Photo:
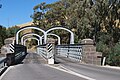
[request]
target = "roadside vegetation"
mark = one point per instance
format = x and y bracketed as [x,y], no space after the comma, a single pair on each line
[7,33]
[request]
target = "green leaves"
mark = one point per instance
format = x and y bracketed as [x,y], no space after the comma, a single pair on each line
[114,56]
[11,31]
[3,35]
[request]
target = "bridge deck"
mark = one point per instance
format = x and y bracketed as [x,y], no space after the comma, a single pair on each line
[33,68]
[34,58]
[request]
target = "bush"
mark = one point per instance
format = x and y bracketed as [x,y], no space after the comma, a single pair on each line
[101,47]
[114,56]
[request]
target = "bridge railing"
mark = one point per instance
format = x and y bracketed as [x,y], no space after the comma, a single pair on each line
[73,52]
[83,52]
[19,52]
[2,63]
[42,51]
[47,52]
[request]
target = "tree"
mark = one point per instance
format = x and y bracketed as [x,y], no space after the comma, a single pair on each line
[3,35]
[39,14]
[114,56]
[11,31]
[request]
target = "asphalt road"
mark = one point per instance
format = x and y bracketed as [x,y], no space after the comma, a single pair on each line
[33,68]
[94,72]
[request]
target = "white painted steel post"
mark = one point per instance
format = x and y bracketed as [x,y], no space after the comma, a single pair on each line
[103,63]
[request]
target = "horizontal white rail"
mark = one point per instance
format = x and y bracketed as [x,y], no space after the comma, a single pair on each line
[46,51]
[73,52]
[42,52]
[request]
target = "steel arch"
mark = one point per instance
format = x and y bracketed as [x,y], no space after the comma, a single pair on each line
[55,36]
[55,28]
[27,34]
[29,27]
[31,38]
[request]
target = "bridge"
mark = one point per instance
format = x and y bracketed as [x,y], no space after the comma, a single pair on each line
[50,61]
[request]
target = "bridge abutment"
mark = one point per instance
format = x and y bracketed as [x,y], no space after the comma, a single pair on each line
[89,53]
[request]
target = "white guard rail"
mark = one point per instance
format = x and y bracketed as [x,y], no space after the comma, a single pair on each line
[73,51]
[46,51]
[42,51]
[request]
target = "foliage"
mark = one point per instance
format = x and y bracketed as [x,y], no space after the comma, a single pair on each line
[7,33]
[101,47]
[3,35]
[11,31]
[114,56]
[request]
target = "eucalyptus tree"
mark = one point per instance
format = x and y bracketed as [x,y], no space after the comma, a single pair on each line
[11,31]
[107,17]
[50,15]
[3,35]
[80,17]
[38,15]
[107,28]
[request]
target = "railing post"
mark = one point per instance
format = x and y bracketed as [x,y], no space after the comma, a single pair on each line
[68,52]
[51,51]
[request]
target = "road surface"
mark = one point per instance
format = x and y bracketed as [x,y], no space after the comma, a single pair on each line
[33,68]
[94,72]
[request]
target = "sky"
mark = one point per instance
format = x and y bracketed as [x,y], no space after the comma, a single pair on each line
[15,12]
